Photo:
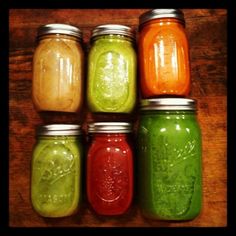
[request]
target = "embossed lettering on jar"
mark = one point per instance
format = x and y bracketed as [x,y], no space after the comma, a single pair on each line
[58,69]
[112,70]
[56,170]
[169,155]
[163,54]
[109,168]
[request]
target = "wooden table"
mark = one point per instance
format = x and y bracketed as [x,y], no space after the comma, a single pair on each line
[206,31]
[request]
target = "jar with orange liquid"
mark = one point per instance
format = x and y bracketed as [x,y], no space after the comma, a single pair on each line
[163,54]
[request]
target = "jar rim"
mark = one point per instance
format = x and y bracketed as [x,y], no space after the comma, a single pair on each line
[59,130]
[161,13]
[113,29]
[109,127]
[57,28]
[168,104]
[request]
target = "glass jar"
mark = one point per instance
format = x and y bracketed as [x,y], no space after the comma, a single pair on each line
[163,54]
[109,168]
[56,170]
[58,69]
[112,70]
[169,156]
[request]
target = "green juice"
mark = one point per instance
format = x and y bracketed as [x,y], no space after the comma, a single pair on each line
[112,75]
[56,173]
[169,155]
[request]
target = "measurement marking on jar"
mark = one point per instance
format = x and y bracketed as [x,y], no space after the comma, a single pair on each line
[55,198]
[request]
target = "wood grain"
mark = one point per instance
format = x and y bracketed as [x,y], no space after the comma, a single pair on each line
[206,29]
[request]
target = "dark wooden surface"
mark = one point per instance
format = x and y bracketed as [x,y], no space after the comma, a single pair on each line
[206,29]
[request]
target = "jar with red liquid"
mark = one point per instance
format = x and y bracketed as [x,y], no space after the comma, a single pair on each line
[110,168]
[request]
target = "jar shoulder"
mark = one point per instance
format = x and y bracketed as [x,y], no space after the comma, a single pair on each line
[54,46]
[53,149]
[102,46]
[110,145]
[165,33]
[165,123]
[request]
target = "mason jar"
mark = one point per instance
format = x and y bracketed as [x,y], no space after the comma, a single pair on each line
[58,68]
[169,156]
[110,168]
[163,54]
[112,70]
[56,170]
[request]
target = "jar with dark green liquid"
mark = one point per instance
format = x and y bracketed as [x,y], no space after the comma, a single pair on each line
[169,156]
[56,170]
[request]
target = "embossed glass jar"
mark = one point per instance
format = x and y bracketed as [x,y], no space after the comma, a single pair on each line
[58,69]
[169,156]
[56,170]
[163,53]
[112,70]
[110,168]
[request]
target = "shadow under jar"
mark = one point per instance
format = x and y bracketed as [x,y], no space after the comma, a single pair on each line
[169,159]
[109,168]
[163,54]
[58,69]
[56,170]
[112,66]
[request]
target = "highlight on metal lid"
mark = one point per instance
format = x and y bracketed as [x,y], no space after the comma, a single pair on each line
[59,129]
[116,29]
[168,104]
[161,13]
[110,127]
[60,29]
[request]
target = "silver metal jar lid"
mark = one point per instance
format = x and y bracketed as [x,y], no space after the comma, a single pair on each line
[168,104]
[60,29]
[161,13]
[59,129]
[109,127]
[113,29]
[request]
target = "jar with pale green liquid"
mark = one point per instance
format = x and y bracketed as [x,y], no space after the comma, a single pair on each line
[169,159]
[56,170]
[112,69]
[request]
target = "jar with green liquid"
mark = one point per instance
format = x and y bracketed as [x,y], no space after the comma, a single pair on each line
[56,170]
[169,156]
[112,69]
